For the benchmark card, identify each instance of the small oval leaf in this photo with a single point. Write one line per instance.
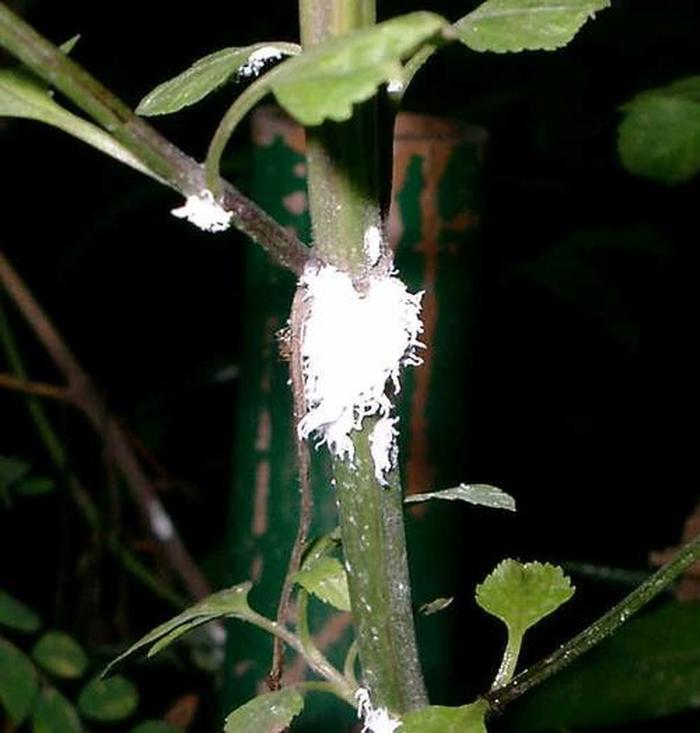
(60, 654)
(209, 73)
(326, 578)
(441, 719)
(18, 682)
(523, 594)
(52, 713)
(108, 701)
(15, 615)
(435, 606)
(327, 80)
(268, 713)
(480, 494)
(525, 25)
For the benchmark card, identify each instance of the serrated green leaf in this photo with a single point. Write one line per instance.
(327, 80)
(268, 713)
(15, 615)
(441, 719)
(480, 494)
(23, 96)
(208, 74)
(435, 606)
(231, 602)
(659, 136)
(11, 469)
(155, 726)
(69, 45)
(523, 594)
(326, 578)
(18, 682)
(647, 669)
(525, 25)
(108, 701)
(60, 654)
(52, 713)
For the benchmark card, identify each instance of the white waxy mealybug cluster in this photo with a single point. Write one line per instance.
(257, 60)
(375, 720)
(204, 212)
(352, 344)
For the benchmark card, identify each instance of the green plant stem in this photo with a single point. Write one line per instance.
(509, 661)
(596, 632)
(342, 169)
(149, 146)
(316, 661)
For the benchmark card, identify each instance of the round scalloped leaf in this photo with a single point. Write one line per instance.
(525, 25)
(327, 80)
(208, 74)
(441, 719)
(523, 594)
(60, 654)
(18, 682)
(15, 615)
(268, 713)
(52, 713)
(108, 701)
(659, 136)
(326, 578)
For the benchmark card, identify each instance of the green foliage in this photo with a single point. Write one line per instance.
(659, 136)
(521, 595)
(53, 713)
(18, 682)
(326, 578)
(229, 603)
(327, 80)
(205, 76)
(480, 494)
(154, 726)
(525, 25)
(60, 654)
(268, 713)
(649, 668)
(435, 606)
(15, 477)
(441, 719)
(108, 701)
(23, 95)
(15, 615)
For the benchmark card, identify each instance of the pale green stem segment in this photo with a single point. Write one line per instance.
(509, 661)
(342, 179)
(599, 630)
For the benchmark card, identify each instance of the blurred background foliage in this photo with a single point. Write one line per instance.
(582, 368)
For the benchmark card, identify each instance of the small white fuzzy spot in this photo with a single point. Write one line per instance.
(160, 522)
(204, 212)
(373, 244)
(353, 344)
(375, 721)
(382, 442)
(257, 60)
(395, 86)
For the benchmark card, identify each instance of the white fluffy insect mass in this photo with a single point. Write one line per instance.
(204, 212)
(258, 59)
(352, 345)
(376, 720)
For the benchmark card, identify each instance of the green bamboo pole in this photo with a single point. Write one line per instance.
(343, 203)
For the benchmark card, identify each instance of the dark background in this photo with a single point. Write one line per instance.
(585, 407)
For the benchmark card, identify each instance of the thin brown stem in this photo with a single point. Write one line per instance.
(37, 389)
(306, 500)
(87, 398)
